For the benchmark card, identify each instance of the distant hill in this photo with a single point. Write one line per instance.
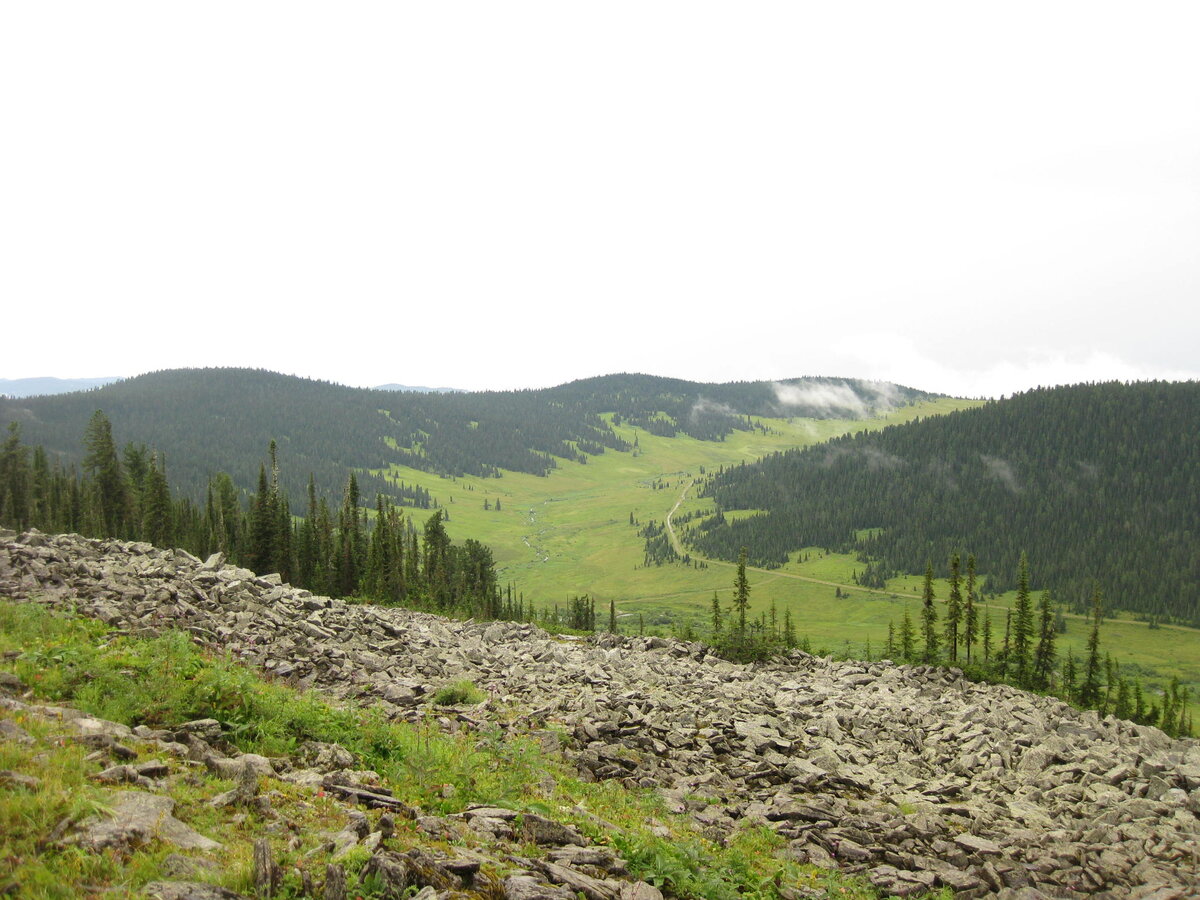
(418, 389)
(210, 420)
(1098, 483)
(35, 387)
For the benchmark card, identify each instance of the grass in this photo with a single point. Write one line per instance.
(167, 680)
(569, 534)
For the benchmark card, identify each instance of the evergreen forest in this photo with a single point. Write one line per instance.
(1097, 482)
(203, 421)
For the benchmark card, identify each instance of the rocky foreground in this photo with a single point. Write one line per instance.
(911, 775)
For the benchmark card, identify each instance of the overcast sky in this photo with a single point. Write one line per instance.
(963, 197)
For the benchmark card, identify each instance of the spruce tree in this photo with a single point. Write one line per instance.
(741, 596)
(716, 616)
(1043, 660)
(929, 619)
(263, 525)
(101, 464)
(1089, 690)
(15, 506)
(907, 638)
(1022, 626)
(971, 614)
(156, 506)
(954, 609)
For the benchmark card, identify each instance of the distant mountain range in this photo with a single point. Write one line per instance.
(418, 389)
(212, 420)
(38, 387)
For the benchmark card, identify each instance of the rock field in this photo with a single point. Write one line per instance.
(911, 775)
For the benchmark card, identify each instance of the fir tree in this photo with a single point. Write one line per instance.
(907, 638)
(1022, 626)
(101, 464)
(716, 616)
(741, 596)
(1043, 660)
(156, 506)
(1089, 690)
(954, 609)
(929, 619)
(971, 614)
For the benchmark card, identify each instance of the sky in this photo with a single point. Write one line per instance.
(973, 199)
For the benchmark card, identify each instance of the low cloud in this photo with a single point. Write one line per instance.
(875, 459)
(1002, 471)
(822, 398)
(705, 407)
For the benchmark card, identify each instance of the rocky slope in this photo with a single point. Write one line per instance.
(914, 776)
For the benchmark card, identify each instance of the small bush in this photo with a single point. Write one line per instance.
(460, 693)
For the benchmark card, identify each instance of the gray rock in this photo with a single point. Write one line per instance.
(136, 818)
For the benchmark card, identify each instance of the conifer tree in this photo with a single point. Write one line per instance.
(907, 638)
(15, 487)
(1089, 690)
(263, 525)
(1022, 626)
(101, 464)
(1043, 660)
(953, 609)
(929, 619)
(889, 648)
(716, 615)
(156, 506)
(971, 614)
(1069, 675)
(612, 616)
(789, 630)
(741, 596)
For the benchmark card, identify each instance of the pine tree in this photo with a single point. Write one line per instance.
(612, 616)
(953, 609)
(1089, 690)
(1070, 674)
(1022, 626)
(741, 596)
(929, 619)
(789, 630)
(156, 506)
(1043, 659)
(15, 487)
(101, 464)
(889, 648)
(263, 524)
(716, 616)
(971, 615)
(907, 638)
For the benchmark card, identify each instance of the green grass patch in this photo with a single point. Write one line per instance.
(167, 680)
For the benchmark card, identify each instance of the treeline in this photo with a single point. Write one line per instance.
(340, 553)
(1098, 481)
(1022, 650)
(207, 420)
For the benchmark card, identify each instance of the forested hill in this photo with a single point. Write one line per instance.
(221, 420)
(1098, 483)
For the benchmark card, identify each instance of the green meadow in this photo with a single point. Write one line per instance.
(569, 534)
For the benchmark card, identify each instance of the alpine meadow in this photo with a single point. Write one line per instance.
(1041, 546)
